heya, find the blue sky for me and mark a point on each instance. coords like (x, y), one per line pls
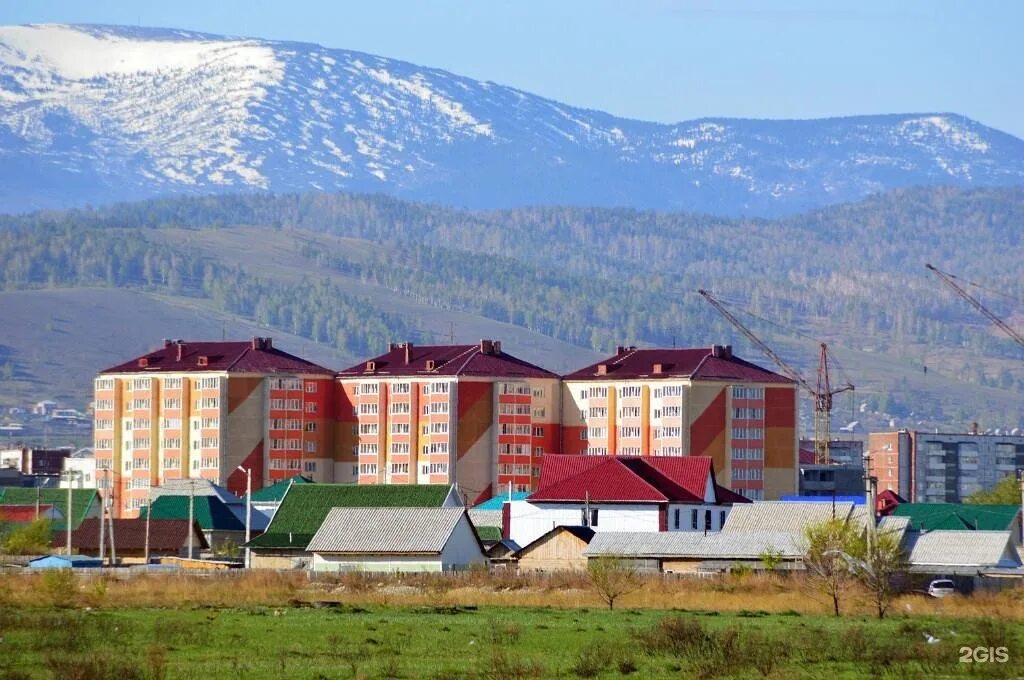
(661, 60)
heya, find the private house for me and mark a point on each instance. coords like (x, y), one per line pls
(85, 503)
(304, 508)
(24, 514)
(167, 538)
(219, 524)
(396, 539)
(622, 493)
(267, 500)
(962, 517)
(960, 552)
(561, 549)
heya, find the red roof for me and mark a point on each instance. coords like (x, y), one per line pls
(255, 356)
(130, 534)
(715, 363)
(628, 479)
(22, 513)
(485, 359)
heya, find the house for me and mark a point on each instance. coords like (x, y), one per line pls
(216, 520)
(304, 508)
(267, 500)
(561, 549)
(204, 487)
(85, 503)
(946, 552)
(502, 552)
(23, 514)
(961, 517)
(695, 553)
(167, 537)
(702, 401)
(622, 493)
(396, 539)
(64, 562)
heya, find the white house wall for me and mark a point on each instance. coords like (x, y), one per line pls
(323, 562)
(462, 549)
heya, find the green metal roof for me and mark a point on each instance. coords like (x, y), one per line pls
(81, 502)
(305, 506)
(210, 512)
(488, 533)
(275, 492)
(957, 516)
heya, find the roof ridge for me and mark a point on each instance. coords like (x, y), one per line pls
(471, 350)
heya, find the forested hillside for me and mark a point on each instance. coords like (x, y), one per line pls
(852, 275)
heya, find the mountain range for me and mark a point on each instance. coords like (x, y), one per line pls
(98, 114)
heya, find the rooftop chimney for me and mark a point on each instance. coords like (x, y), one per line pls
(392, 346)
(620, 350)
(717, 351)
(486, 347)
(657, 369)
(204, 360)
(168, 342)
(602, 369)
(143, 362)
(430, 364)
(497, 347)
(371, 366)
(181, 350)
(727, 352)
(408, 353)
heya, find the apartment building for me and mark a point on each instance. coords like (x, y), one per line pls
(683, 402)
(942, 467)
(443, 414)
(202, 409)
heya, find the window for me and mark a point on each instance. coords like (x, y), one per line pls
(583, 435)
(439, 428)
(746, 412)
(172, 463)
(369, 409)
(439, 447)
(141, 424)
(523, 430)
(597, 392)
(629, 432)
(721, 518)
(439, 388)
(629, 412)
(707, 520)
(103, 404)
(673, 391)
(657, 393)
(399, 468)
(538, 391)
(103, 424)
(597, 432)
(583, 395)
(400, 407)
(172, 403)
(671, 451)
(672, 411)
(367, 468)
(629, 391)
(105, 383)
(141, 403)
(171, 423)
(538, 432)
(142, 383)
(693, 519)
(439, 408)
(310, 427)
(140, 443)
(744, 392)
(671, 432)
(538, 413)
(400, 448)
(310, 466)
(209, 402)
(401, 428)
(140, 463)
(311, 407)
(209, 442)
(747, 433)
(368, 428)
(209, 383)
(310, 447)
(675, 518)
(210, 423)
(439, 468)
(368, 388)
(172, 443)
(103, 444)
(400, 388)
(311, 387)
(629, 451)
(367, 449)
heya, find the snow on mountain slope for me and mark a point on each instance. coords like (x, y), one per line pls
(100, 113)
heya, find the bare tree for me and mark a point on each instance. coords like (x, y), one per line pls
(826, 553)
(612, 577)
(878, 564)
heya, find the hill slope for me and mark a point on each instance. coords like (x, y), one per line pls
(95, 114)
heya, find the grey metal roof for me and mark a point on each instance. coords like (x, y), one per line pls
(687, 544)
(485, 518)
(386, 530)
(782, 516)
(197, 487)
(961, 548)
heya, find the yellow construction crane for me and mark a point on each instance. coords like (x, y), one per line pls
(822, 392)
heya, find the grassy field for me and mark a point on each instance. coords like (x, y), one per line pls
(279, 626)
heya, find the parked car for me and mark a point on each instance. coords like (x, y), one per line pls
(941, 587)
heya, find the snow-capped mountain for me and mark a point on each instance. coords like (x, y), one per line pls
(92, 114)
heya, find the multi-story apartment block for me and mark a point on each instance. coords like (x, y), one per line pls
(202, 409)
(942, 467)
(466, 414)
(682, 402)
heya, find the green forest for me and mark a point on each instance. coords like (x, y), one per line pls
(852, 275)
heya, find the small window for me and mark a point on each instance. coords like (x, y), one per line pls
(693, 519)
(675, 518)
(593, 517)
(707, 520)
(721, 519)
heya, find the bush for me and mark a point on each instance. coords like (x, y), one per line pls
(31, 539)
(59, 587)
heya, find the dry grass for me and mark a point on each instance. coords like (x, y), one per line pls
(737, 593)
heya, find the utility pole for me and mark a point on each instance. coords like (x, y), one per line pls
(1020, 481)
(149, 515)
(191, 512)
(113, 552)
(103, 519)
(248, 512)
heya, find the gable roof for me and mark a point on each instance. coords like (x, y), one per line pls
(630, 363)
(130, 534)
(961, 548)
(483, 359)
(628, 479)
(305, 506)
(193, 487)
(210, 512)
(496, 502)
(584, 534)
(957, 516)
(386, 530)
(82, 501)
(782, 516)
(693, 544)
(255, 356)
(275, 492)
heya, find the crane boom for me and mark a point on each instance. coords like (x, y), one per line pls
(958, 289)
(822, 392)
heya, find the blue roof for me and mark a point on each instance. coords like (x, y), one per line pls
(856, 500)
(496, 502)
(64, 562)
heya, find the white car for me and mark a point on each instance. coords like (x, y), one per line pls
(941, 587)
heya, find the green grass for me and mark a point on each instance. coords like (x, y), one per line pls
(376, 642)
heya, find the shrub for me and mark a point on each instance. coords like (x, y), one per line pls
(31, 539)
(59, 587)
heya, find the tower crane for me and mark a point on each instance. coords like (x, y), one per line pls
(950, 281)
(822, 392)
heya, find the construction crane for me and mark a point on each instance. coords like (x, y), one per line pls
(950, 281)
(822, 392)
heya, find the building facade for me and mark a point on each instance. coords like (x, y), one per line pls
(203, 409)
(466, 414)
(942, 467)
(683, 402)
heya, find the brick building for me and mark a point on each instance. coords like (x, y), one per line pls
(683, 402)
(201, 409)
(442, 414)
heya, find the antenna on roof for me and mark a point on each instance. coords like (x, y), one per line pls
(451, 332)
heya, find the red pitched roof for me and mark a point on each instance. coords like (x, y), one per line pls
(628, 479)
(255, 356)
(485, 359)
(130, 534)
(696, 364)
(22, 513)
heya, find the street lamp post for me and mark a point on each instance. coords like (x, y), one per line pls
(69, 475)
(248, 511)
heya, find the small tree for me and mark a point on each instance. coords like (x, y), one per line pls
(827, 548)
(770, 558)
(878, 564)
(612, 577)
(1005, 492)
(30, 539)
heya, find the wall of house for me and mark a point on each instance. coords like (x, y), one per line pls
(462, 550)
(559, 552)
(280, 559)
(327, 562)
(529, 521)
